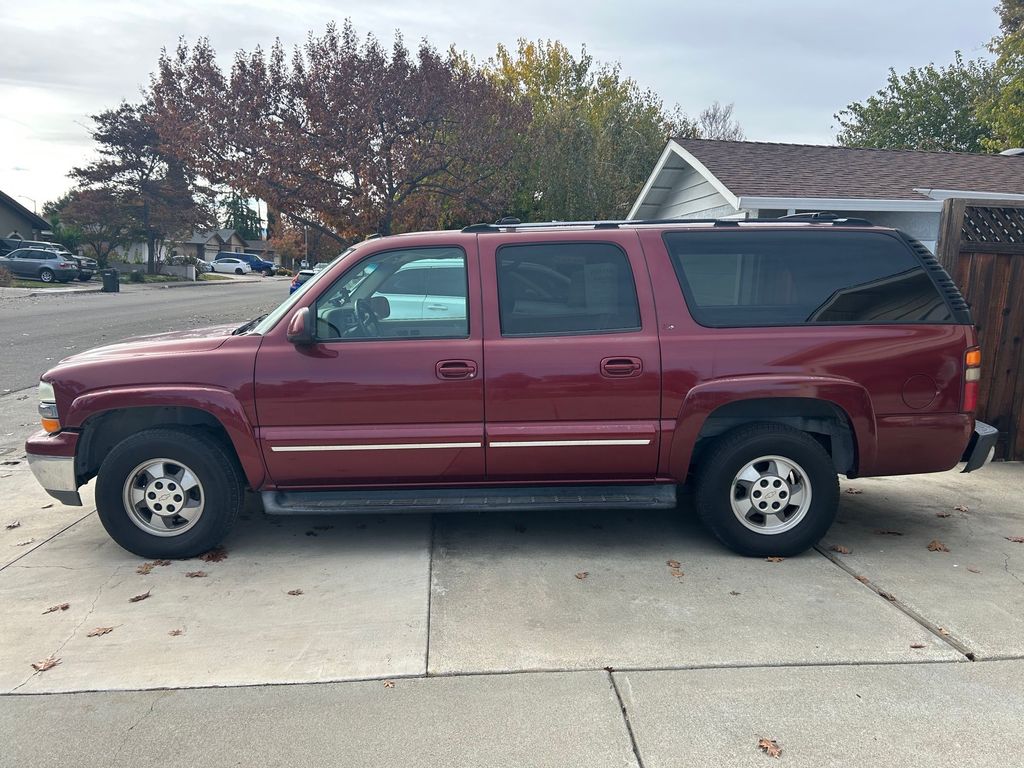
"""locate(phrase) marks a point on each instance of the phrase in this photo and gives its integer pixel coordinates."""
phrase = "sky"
(787, 65)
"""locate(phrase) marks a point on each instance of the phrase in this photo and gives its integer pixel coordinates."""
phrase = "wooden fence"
(981, 244)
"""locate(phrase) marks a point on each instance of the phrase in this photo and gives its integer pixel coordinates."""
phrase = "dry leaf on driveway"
(100, 631)
(672, 563)
(215, 555)
(389, 684)
(770, 747)
(161, 562)
(46, 506)
(774, 559)
(676, 572)
(863, 579)
(734, 593)
(144, 568)
(917, 645)
(961, 508)
(582, 575)
(24, 543)
(295, 592)
(888, 596)
(943, 631)
(195, 574)
(139, 598)
(972, 569)
(48, 663)
(176, 632)
(57, 607)
(12, 526)
(854, 491)
(943, 514)
(840, 549)
(937, 546)
(885, 532)
(1015, 539)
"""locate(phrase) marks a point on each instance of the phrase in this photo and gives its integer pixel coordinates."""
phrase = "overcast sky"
(788, 65)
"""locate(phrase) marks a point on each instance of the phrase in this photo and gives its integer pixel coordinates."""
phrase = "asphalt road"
(39, 331)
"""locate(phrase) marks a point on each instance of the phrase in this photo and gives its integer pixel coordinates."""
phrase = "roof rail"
(797, 218)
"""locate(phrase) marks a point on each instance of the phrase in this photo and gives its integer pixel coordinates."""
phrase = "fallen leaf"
(58, 607)
(1015, 539)
(215, 555)
(144, 568)
(854, 491)
(884, 532)
(676, 572)
(195, 574)
(140, 598)
(972, 569)
(25, 543)
(917, 645)
(734, 593)
(295, 592)
(672, 563)
(943, 514)
(176, 632)
(863, 579)
(46, 506)
(840, 549)
(937, 546)
(389, 684)
(12, 526)
(943, 631)
(582, 575)
(890, 597)
(774, 559)
(161, 563)
(961, 508)
(770, 747)
(100, 631)
(48, 663)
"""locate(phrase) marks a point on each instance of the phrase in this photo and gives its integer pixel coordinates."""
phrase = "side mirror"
(300, 331)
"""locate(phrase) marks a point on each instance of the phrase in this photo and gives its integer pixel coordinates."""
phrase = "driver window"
(394, 295)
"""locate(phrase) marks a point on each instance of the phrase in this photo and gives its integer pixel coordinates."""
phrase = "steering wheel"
(366, 319)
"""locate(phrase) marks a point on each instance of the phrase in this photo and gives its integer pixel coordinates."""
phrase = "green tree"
(239, 216)
(930, 108)
(1004, 110)
(63, 231)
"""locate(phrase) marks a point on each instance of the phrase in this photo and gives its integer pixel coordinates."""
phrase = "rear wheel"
(47, 275)
(169, 493)
(767, 489)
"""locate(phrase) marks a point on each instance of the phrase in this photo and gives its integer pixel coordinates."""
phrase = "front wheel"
(767, 489)
(169, 493)
(47, 275)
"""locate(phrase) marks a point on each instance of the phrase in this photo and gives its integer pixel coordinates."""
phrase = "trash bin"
(111, 281)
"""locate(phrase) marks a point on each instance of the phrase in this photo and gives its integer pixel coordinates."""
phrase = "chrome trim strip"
(561, 443)
(377, 447)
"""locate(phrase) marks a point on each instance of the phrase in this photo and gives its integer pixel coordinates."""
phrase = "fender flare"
(221, 404)
(705, 398)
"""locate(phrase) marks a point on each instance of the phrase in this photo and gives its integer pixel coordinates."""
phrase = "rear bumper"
(52, 460)
(982, 446)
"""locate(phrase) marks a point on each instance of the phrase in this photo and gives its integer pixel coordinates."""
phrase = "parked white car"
(231, 266)
(427, 288)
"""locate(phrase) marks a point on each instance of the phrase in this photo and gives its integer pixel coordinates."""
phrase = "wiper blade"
(247, 326)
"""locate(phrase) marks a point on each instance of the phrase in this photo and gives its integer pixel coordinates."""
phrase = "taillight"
(972, 379)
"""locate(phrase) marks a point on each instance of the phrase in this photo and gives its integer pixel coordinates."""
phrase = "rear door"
(573, 370)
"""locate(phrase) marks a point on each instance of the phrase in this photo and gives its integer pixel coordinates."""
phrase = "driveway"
(528, 639)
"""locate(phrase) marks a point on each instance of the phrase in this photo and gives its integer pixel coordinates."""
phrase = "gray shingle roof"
(805, 170)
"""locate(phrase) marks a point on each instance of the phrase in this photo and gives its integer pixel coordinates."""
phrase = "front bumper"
(53, 467)
(982, 446)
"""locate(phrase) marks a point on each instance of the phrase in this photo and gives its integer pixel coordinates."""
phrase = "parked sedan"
(231, 265)
(46, 265)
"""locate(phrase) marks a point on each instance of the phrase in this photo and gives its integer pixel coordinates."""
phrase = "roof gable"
(38, 222)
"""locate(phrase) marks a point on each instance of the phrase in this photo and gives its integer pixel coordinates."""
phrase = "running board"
(505, 499)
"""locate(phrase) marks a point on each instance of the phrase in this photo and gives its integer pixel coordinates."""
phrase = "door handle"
(456, 369)
(440, 307)
(621, 367)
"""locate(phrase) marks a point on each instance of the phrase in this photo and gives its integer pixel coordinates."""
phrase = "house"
(700, 178)
(19, 223)
(206, 245)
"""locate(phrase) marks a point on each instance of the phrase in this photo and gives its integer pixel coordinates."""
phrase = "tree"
(1004, 110)
(239, 216)
(930, 108)
(134, 168)
(716, 122)
(343, 136)
(63, 231)
(101, 219)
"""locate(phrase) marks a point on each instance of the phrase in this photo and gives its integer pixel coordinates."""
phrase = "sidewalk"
(96, 287)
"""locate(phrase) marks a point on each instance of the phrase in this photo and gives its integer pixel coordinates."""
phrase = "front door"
(573, 379)
(387, 394)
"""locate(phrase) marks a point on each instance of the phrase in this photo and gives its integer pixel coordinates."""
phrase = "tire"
(796, 476)
(47, 275)
(268, 273)
(219, 490)
(238, 271)
(85, 278)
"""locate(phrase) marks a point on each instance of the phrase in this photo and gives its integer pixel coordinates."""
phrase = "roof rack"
(823, 217)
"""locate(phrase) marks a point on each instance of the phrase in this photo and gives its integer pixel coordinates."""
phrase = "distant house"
(206, 245)
(698, 178)
(18, 222)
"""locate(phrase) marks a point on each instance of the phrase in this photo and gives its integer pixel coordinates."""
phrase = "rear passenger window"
(565, 288)
(739, 279)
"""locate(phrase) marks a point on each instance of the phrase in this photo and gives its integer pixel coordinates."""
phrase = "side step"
(507, 499)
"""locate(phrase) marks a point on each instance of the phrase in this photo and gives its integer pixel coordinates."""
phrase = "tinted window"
(446, 282)
(565, 288)
(753, 278)
(407, 281)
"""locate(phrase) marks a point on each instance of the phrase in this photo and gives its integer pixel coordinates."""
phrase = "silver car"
(46, 265)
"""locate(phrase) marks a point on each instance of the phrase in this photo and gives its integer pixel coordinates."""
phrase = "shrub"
(5, 278)
(135, 276)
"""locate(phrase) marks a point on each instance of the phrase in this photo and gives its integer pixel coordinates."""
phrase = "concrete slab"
(35, 515)
(894, 715)
(976, 590)
(510, 721)
(509, 594)
(362, 612)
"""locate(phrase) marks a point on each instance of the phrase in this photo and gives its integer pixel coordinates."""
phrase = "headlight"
(48, 407)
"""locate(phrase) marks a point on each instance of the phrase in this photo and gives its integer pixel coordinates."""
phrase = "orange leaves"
(770, 747)
(215, 555)
(840, 549)
(58, 607)
(937, 546)
(48, 663)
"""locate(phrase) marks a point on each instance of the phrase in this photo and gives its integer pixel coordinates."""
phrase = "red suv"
(553, 366)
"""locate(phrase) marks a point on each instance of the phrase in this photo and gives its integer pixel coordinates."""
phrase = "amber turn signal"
(51, 425)
(973, 358)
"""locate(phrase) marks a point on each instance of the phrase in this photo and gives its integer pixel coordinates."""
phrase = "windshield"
(270, 320)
